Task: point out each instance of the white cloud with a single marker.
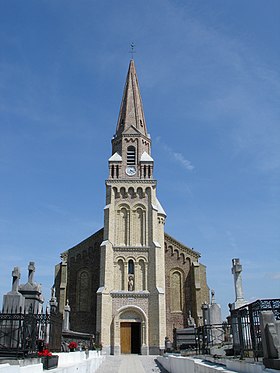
(184, 162)
(275, 276)
(176, 156)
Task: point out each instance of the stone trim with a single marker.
(179, 245)
(130, 181)
(132, 248)
(129, 294)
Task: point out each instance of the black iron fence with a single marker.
(213, 335)
(200, 339)
(245, 327)
(20, 333)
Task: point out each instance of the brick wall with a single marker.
(84, 257)
(180, 258)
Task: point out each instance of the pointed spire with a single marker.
(131, 110)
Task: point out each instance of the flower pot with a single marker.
(72, 349)
(50, 362)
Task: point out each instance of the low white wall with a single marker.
(4, 368)
(181, 364)
(68, 362)
(76, 362)
(202, 366)
(178, 364)
(34, 368)
(243, 367)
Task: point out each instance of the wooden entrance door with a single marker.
(126, 338)
(130, 337)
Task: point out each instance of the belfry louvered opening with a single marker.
(131, 155)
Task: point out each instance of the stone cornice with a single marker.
(133, 135)
(132, 249)
(130, 181)
(181, 246)
(130, 294)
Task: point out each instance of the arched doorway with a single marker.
(131, 331)
(130, 337)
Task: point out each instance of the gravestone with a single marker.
(13, 301)
(270, 332)
(215, 316)
(32, 292)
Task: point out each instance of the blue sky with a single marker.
(209, 79)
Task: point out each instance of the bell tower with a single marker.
(131, 144)
(131, 314)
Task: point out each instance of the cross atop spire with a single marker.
(131, 110)
(132, 51)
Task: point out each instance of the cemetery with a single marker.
(34, 338)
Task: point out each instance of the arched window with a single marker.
(131, 267)
(120, 275)
(142, 275)
(139, 226)
(83, 291)
(131, 279)
(139, 229)
(131, 155)
(176, 291)
(145, 171)
(123, 226)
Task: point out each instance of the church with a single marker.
(131, 283)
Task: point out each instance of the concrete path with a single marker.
(130, 364)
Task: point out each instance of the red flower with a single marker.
(45, 352)
(72, 345)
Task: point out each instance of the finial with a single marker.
(132, 46)
(213, 296)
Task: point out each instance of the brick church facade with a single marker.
(131, 283)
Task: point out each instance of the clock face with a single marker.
(130, 170)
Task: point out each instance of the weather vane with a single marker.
(132, 51)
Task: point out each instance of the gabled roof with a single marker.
(160, 208)
(115, 158)
(131, 110)
(145, 157)
(132, 130)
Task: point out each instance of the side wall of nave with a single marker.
(83, 272)
(185, 283)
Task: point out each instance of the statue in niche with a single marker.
(130, 283)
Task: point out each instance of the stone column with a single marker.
(63, 282)
(236, 271)
(146, 276)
